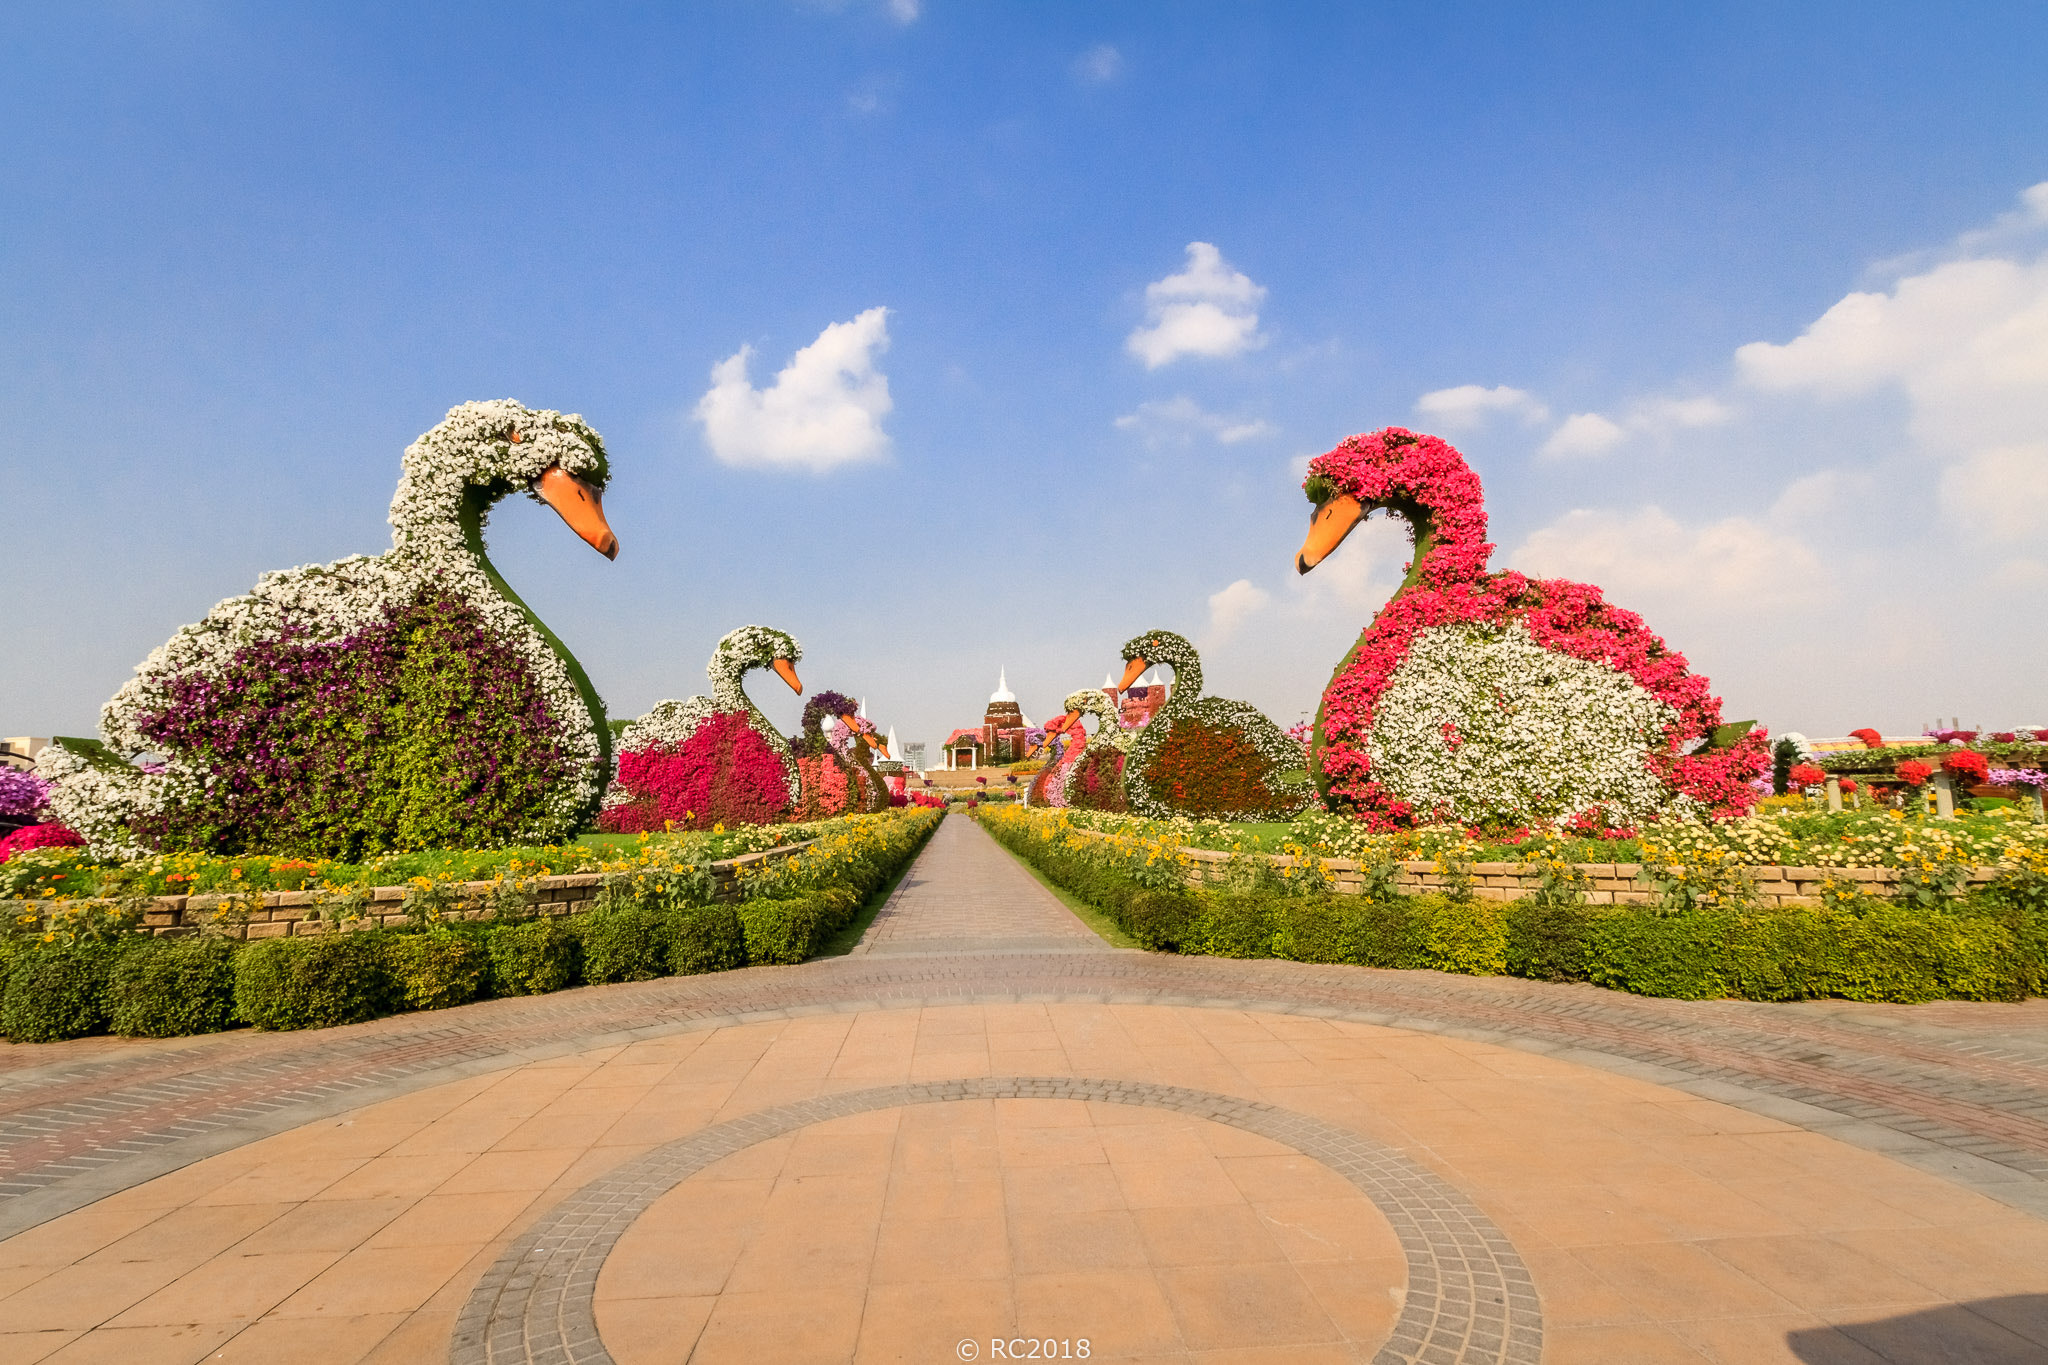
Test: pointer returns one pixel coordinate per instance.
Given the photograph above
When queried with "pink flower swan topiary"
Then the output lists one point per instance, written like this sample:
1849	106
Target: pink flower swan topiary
1067	744
706	761
1493	698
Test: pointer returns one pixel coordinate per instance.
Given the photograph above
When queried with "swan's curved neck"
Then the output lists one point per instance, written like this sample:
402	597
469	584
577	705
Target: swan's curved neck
469	524
1422	530
729	693
1187	685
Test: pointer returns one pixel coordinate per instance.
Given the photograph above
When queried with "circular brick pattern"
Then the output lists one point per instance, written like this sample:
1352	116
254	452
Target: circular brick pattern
1469	1296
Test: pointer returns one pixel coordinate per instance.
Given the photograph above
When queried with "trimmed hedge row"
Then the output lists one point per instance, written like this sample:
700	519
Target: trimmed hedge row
1984	948
640	928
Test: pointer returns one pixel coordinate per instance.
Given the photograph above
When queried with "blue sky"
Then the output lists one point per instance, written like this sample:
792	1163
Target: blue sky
251	251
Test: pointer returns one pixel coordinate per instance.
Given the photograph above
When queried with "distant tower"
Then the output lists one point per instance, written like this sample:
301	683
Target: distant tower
1002	726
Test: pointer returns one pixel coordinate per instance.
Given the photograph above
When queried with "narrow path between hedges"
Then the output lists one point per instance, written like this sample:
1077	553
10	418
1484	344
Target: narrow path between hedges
965	895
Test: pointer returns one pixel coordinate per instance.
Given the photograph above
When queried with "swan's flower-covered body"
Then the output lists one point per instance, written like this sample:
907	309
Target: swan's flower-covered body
380	701
711	760
1494	698
1206	756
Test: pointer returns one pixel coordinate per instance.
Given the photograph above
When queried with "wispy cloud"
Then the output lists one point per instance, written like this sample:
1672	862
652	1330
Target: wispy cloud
1470	406
1180	419
824	410
1208	309
1232	606
1099	65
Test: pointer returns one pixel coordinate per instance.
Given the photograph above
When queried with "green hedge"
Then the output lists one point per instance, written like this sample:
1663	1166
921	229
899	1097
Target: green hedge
314	982
643	926
56	991
1986	947
168	988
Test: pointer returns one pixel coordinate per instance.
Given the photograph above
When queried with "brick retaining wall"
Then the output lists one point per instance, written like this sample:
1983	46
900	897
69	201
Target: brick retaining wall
280	914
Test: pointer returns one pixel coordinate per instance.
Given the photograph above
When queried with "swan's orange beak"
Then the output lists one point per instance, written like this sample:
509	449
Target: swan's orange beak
878	743
786	671
1058	724
1333	521
1134	671
579	505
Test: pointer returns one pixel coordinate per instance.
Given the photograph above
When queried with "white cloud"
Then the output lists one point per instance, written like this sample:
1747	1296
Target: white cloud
905	11
1178	420
1582	435
1099	65
1585	435
1966	342
1735	565
1208	309
824	410
2000	492
1661	416
1230	607
1468	406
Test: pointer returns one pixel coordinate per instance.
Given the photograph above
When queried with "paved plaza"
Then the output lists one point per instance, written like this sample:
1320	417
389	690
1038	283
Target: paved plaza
985	1125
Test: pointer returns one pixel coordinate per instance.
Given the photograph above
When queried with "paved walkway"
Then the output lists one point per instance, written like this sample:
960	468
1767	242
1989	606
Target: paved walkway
875	1158
965	895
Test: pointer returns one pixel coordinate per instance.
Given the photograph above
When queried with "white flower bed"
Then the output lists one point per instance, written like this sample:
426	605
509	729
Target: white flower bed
1577	734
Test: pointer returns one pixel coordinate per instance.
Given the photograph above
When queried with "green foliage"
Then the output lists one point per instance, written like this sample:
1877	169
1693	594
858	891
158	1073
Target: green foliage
782	931
1232	924
54	991
626	937
168	988
705	938
436	968
533	957
316	981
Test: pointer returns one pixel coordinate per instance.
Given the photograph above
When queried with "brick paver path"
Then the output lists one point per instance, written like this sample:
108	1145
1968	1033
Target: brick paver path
1956	1090
965	895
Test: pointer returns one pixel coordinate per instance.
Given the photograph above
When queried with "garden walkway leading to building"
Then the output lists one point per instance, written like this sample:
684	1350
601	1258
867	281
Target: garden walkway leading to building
965	895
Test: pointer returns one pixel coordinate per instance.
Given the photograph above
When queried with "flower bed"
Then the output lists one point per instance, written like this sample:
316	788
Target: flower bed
1688	922
280	959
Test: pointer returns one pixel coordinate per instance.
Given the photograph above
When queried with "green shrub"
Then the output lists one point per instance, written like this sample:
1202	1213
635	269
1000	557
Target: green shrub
436	968
1675	956
171	988
782	931
1315	929
1233	925
1460	935
313	982
1159	919
1547	942
533	957
705	938
625	939
55	990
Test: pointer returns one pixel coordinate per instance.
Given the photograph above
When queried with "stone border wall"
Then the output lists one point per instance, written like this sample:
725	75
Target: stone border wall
280	914
1606	883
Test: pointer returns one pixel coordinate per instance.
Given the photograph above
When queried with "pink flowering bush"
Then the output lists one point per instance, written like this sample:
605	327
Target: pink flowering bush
38	836
724	774
1425	480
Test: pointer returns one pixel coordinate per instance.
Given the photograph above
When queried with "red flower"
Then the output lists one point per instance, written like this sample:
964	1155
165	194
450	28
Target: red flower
1967	767
1871	738
1914	772
1806	775
37	836
1849	786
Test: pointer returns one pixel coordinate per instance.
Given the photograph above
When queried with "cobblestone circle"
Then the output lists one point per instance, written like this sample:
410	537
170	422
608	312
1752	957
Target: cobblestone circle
1469	1296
